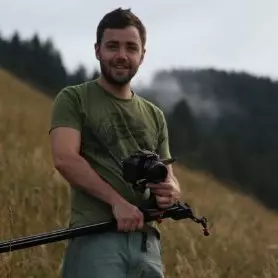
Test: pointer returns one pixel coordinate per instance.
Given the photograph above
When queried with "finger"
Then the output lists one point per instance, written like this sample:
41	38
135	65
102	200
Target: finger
120	225
162	199
164	202
164	206
162	185
166	184
135	223
154	186
163	192
124	224
128	225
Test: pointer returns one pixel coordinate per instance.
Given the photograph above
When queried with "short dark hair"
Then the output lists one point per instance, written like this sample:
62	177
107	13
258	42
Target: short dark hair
118	19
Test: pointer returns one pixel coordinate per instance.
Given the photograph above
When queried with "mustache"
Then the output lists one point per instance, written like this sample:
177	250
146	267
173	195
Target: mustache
120	63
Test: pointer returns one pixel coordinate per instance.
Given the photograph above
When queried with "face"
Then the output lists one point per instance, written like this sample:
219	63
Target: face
120	54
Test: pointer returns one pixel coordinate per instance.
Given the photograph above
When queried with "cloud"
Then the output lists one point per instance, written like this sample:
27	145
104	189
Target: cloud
167	91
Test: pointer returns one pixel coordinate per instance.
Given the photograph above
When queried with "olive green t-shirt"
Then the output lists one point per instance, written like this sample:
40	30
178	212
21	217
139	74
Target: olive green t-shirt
124	125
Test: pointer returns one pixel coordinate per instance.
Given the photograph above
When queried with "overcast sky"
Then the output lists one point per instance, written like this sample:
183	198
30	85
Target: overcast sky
235	34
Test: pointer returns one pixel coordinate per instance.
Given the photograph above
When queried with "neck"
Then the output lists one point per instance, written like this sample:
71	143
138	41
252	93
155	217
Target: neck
121	91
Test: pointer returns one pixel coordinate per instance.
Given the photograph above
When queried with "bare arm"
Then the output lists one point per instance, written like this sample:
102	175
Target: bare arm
65	146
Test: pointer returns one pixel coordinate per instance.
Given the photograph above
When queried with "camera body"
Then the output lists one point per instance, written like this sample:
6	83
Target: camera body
144	167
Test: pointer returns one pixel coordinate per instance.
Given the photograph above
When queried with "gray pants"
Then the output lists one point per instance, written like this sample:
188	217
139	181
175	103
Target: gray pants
113	255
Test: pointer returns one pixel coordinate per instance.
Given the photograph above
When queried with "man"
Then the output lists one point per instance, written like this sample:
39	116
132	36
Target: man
106	109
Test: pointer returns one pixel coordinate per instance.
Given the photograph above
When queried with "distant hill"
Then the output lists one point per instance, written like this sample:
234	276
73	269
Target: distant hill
35	199
225	123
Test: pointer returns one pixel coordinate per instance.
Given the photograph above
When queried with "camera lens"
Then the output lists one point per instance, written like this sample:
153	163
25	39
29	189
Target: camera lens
156	172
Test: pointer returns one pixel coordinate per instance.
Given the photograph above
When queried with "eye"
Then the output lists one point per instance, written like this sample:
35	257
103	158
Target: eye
132	47
112	46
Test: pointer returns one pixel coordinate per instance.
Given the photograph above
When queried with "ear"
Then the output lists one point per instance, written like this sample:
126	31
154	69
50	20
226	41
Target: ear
97	50
142	56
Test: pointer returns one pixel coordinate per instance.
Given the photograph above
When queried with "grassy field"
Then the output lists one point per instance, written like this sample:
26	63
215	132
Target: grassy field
35	199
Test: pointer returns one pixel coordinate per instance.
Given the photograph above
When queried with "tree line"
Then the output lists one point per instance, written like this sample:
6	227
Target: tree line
223	122
39	63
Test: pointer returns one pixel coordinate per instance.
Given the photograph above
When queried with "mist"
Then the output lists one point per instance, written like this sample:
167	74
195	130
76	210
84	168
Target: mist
167	92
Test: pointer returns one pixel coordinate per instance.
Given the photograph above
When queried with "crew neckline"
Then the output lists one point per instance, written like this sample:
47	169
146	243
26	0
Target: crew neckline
109	94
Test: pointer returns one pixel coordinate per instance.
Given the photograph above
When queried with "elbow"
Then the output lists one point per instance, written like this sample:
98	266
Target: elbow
62	162
59	164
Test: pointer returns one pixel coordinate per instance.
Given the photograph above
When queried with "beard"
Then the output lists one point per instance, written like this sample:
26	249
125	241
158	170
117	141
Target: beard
111	76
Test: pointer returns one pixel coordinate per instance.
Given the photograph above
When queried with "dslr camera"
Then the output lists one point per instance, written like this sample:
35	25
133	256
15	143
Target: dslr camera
144	167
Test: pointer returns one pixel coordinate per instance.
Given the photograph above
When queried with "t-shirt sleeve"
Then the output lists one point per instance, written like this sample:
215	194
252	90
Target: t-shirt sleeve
163	148
66	110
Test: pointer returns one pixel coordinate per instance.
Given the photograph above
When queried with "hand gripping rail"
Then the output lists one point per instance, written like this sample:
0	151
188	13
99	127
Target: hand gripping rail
176	212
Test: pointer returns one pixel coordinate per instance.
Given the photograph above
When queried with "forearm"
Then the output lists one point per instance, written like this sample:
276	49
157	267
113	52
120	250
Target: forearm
77	171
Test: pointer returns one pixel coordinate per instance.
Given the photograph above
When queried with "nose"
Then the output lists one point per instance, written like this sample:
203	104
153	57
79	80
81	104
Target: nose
121	53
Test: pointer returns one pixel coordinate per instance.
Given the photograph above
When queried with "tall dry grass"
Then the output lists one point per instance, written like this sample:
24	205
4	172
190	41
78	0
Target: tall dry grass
35	199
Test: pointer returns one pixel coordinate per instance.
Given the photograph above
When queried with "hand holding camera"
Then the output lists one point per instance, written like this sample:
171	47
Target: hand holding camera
166	193
144	169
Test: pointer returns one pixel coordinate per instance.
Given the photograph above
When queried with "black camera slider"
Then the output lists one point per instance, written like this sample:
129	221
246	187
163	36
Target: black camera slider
176	212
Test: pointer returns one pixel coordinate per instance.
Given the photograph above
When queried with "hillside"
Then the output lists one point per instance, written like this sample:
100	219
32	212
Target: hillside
229	119
34	199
